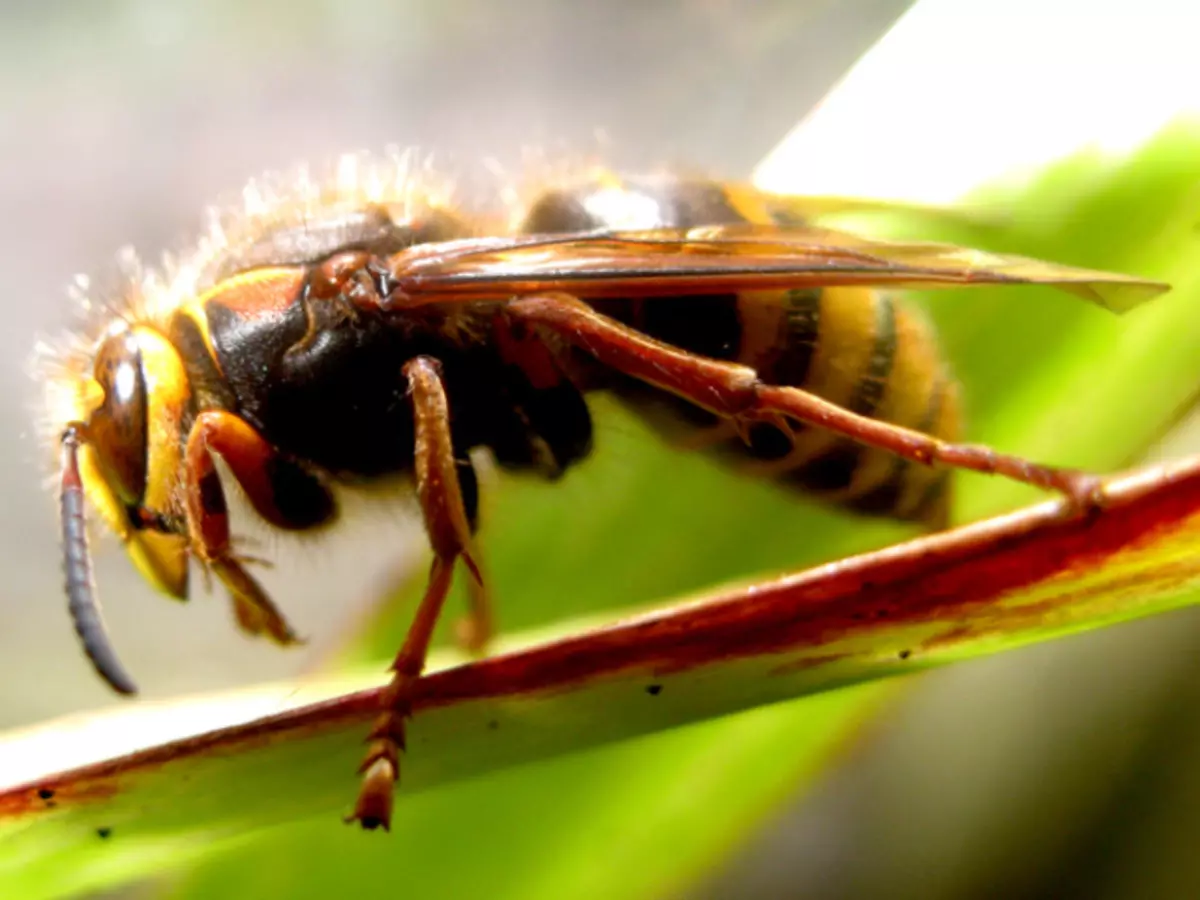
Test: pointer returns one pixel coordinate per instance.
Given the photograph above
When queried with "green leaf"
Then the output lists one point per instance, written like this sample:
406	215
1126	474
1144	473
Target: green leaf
1044	375
974	590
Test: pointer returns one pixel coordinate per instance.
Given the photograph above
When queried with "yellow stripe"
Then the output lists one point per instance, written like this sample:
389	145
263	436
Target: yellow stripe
845	341
194	310
241	280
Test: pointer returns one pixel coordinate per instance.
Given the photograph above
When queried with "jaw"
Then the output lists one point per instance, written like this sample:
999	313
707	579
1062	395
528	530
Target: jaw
162	559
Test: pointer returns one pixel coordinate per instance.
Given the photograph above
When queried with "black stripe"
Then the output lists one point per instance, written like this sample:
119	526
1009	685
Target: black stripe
869	392
802	328
678	204
708	325
932	497
831	471
559	416
884	498
701	203
834	469
558	211
206	381
766	442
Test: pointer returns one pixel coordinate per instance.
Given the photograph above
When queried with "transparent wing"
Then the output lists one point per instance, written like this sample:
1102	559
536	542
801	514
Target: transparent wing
719	259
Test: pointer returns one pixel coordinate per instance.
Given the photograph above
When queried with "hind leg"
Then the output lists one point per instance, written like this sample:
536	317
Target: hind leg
735	393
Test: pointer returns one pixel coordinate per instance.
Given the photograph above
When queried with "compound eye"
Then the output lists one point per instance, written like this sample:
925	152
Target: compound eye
117	428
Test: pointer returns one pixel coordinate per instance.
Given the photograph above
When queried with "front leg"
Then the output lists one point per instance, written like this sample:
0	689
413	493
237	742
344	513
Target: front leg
447	524
737	394
281	492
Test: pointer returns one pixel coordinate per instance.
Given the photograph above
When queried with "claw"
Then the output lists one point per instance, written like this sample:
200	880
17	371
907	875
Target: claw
255	612
374	806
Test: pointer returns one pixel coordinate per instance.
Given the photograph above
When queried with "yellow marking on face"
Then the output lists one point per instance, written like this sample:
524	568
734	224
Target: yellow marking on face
160	558
167	397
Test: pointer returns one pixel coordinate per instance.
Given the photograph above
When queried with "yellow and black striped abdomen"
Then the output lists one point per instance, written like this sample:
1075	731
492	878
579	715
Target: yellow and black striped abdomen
873	354
864	349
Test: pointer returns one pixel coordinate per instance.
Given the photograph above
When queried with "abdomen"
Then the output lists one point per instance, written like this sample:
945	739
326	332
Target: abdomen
865	349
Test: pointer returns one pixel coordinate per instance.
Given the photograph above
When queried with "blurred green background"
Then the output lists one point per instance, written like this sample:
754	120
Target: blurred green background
1061	770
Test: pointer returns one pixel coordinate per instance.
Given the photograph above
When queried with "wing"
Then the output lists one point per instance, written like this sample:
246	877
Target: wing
720	259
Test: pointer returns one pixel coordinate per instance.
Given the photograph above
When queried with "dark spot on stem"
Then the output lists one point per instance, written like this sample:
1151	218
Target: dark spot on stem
654	689
103	832
45	793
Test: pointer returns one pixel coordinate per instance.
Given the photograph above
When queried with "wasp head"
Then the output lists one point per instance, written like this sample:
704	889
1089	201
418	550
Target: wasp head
122	449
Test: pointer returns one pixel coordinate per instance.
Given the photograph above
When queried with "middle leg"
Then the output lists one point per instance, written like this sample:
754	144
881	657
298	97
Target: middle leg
441	497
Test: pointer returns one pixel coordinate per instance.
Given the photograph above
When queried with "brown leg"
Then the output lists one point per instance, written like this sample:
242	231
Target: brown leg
736	392
450	537
248	456
473	631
